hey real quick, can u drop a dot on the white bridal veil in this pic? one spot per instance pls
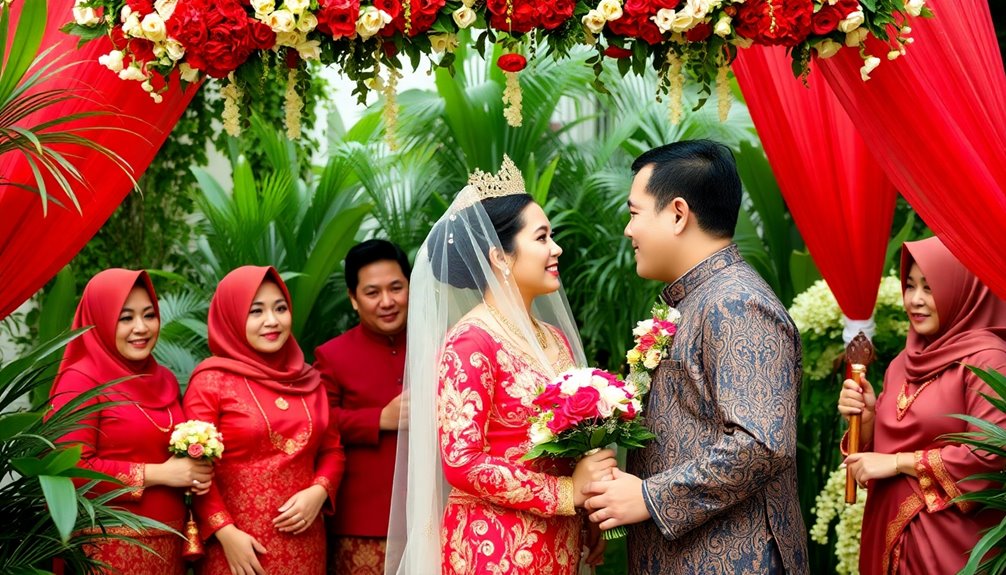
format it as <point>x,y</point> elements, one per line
<point>451,277</point>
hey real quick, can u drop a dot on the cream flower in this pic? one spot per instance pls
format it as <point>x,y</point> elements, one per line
<point>112,61</point>
<point>464,17</point>
<point>853,21</point>
<point>856,37</point>
<point>827,48</point>
<point>153,28</point>
<point>263,7</point>
<point>869,65</point>
<point>307,23</point>
<point>289,38</point>
<point>297,7</point>
<point>722,27</point>
<point>85,16</point>
<point>633,356</point>
<point>281,21</point>
<point>165,8</point>
<point>132,72</point>
<point>652,359</point>
<point>131,25</point>
<point>610,9</point>
<point>540,433</point>
<point>914,7</point>
<point>443,42</point>
<point>309,50</point>
<point>371,21</point>
<point>593,21</point>
<point>188,73</point>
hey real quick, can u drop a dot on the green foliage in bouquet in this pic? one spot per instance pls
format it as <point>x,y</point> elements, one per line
<point>589,435</point>
<point>45,516</point>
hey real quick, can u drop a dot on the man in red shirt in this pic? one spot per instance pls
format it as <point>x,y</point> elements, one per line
<point>362,370</point>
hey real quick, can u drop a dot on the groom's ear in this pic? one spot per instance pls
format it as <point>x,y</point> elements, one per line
<point>680,212</point>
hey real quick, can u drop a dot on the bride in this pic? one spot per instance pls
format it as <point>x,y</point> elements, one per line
<point>488,326</point>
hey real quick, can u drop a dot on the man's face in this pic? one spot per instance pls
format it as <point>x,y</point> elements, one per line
<point>382,297</point>
<point>652,233</point>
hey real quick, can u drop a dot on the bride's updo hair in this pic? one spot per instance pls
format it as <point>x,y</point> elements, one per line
<point>506,214</point>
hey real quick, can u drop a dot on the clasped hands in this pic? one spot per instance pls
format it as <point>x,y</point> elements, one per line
<point>611,496</point>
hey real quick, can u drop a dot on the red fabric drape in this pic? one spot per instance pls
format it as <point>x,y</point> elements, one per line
<point>839,197</point>
<point>34,247</point>
<point>936,120</point>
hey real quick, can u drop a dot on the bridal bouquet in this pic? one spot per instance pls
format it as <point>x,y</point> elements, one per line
<point>198,440</point>
<point>652,338</point>
<point>581,411</point>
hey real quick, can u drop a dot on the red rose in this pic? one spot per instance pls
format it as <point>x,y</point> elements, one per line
<point>845,7</point>
<point>195,450</point>
<point>617,53</point>
<point>646,342</point>
<point>775,22</point>
<point>582,404</point>
<point>337,18</point>
<point>826,20</point>
<point>549,398</point>
<point>511,62</point>
<point>553,14</point>
<point>649,32</point>
<point>669,4</point>
<point>638,8</point>
<point>392,7</point>
<point>261,35</point>
<point>699,32</point>
<point>144,7</point>
<point>560,422</point>
<point>142,49</point>
<point>629,413</point>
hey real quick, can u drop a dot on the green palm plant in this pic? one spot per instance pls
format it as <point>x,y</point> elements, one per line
<point>987,555</point>
<point>45,516</point>
<point>24,74</point>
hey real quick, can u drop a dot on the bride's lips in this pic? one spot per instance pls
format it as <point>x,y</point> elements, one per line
<point>553,269</point>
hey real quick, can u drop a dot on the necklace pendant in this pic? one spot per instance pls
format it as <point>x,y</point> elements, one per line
<point>282,403</point>
<point>902,403</point>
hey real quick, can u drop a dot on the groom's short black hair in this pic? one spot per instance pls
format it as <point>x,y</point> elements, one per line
<point>370,251</point>
<point>701,172</point>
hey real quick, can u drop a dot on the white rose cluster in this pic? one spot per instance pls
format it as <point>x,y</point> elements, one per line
<point>829,504</point>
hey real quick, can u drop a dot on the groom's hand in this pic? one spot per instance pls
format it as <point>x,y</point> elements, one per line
<point>618,501</point>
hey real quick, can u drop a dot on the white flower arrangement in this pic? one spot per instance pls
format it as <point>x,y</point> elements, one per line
<point>830,503</point>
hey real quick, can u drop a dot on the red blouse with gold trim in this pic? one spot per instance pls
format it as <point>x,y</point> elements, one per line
<point>910,524</point>
<point>118,441</point>
<point>274,446</point>
<point>503,515</point>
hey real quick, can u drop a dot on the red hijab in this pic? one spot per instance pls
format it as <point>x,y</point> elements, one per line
<point>284,370</point>
<point>95,355</point>
<point>972,318</point>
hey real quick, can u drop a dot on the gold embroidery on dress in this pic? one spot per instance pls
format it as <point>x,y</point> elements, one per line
<point>218,519</point>
<point>565,506</point>
<point>288,445</point>
<point>892,546</point>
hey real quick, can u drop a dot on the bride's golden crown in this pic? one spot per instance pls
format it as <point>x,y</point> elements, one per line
<point>482,186</point>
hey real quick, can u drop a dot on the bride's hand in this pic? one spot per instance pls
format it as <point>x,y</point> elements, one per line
<point>596,467</point>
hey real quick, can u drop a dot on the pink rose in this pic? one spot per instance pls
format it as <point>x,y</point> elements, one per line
<point>582,404</point>
<point>549,398</point>
<point>559,422</point>
<point>195,450</point>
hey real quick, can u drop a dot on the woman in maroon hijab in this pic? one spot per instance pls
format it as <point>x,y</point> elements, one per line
<point>910,524</point>
<point>129,441</point>
<point>283,460</point>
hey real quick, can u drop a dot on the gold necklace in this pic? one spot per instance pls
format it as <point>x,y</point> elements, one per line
<point>906,401</point>
<point>287,445</point>
<point>538,332</point>
<point>171,419</point>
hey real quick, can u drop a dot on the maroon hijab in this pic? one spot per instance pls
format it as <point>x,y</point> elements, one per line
<point>284,370</point>
<point>972,318</point>
<point>95,355</point>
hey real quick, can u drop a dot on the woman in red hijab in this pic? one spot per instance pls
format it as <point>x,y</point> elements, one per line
<point>910,524</point>
<point>283,460</point>
<point>129,441</point>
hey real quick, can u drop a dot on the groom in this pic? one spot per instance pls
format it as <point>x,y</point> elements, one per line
<point>716,491</point>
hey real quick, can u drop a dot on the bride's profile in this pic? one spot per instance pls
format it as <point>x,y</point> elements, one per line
<point>488,326</point>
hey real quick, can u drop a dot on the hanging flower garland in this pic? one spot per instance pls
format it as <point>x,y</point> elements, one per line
<point>683,39</point>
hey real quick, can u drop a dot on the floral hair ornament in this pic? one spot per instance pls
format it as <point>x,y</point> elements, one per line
<point>511,64</point>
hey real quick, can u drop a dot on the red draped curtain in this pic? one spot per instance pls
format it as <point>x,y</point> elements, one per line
<point>936,121</point>
<point>837,193</point>
<point>34,246</point>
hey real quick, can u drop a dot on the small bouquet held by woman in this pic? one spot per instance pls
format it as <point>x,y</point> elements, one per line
<point>583,410</point>
<point>198,440</point>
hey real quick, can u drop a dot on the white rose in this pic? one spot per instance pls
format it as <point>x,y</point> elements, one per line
<point>132,73</point>
<point>593,21</point>
<point>856,37</point>
<point>869,65</point>
<point>125,13</point>
<point>280,21</point>
<point>673,315</point>
<point>85,16</point>
<point>307,23</point>
<point>112,61</point>
<point>663,19</point>
<point>610,9</point>
<point>165,8</point>
<point>309,50</point>
<point>722,27</point>
<point>131,25</point>
<point>611,398</point>
<point>443,42</point>
<point>827,48</point>
<point>699,8</point>
<point>652,359</point>
<point>289,38</point>
<point>569,386</point>
<point>297,6</point>
<point>684,20</point>
<point>263,7</point>
<point>852,21</point>
<point>643,327</point>
<point>188,73</point>
<point>371,21</point>
<point>540,433</point>
<point>153,28</point>
<point>914,7</point>
<point>464,17</point>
